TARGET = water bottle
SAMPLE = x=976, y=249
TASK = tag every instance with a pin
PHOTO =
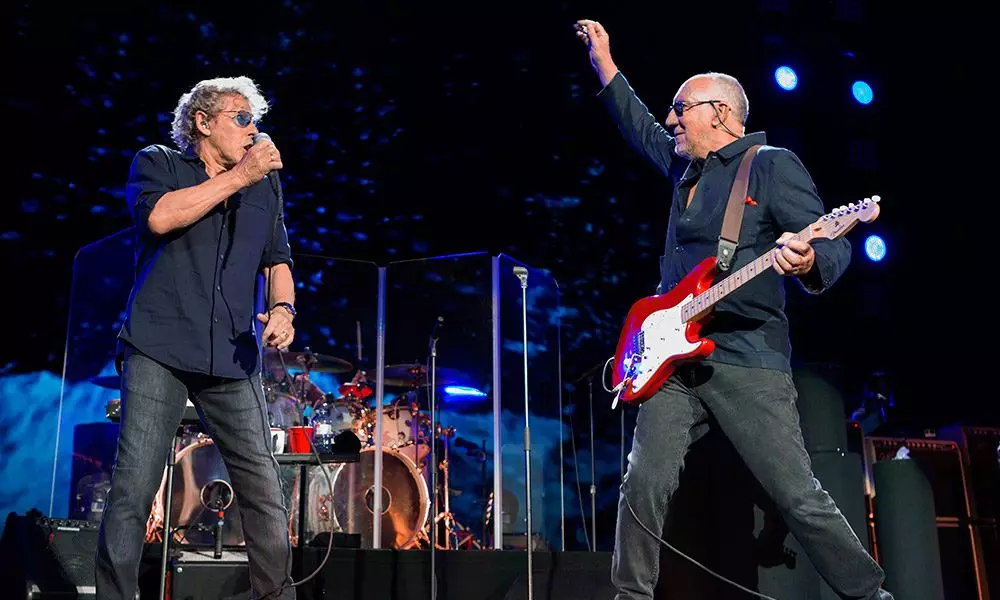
x=323, y=430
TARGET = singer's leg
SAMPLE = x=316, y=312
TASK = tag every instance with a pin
x=153, y=400
x=237, y=417
x=667, y=424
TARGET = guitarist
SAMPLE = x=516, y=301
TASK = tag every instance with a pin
x=745, y=387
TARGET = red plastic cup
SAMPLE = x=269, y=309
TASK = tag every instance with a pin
x=298, y=439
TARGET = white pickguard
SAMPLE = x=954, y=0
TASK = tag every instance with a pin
x=664, y=337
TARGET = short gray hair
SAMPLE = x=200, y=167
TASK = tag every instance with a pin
x=206, y=96
x=733, y=92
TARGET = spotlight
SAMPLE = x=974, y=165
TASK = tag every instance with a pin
x=862, y=92
x=875, y=248
x=786, y=78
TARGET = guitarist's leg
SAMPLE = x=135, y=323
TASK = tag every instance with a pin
x=755, y=408
x=666, y=425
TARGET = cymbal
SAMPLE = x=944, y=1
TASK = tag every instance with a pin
x=404, y=375
x=107, y=381
x=415, y=375
x=306, y=361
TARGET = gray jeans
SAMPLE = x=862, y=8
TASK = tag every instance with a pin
x=755, y=409
x=233, y=411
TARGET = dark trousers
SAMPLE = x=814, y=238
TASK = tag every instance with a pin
x=234, y=413
x=755, y=409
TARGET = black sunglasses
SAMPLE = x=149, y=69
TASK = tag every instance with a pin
x=679, y=107
x=242, y=117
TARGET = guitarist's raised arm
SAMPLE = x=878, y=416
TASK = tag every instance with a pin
x=795, y=205
x=633, y=118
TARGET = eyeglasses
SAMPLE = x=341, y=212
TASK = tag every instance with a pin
x=242, y=117
x=679, y=107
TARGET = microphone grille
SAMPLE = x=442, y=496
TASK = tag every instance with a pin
x=261, y=137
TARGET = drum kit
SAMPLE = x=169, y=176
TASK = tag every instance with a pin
x=295, y=401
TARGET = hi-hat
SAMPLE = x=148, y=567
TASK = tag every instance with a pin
x=306, y=361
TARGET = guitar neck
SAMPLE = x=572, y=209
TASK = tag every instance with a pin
x=704, y=301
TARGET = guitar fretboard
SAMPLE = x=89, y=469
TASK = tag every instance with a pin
x=707, y=299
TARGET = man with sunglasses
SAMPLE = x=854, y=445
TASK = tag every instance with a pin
x=207, y=222
x=745, y=387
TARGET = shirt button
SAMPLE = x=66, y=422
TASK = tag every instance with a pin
x=218, y=287
x=216, y=319
x=221, y=256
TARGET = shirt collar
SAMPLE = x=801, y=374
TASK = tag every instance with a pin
x=190, y=156
x=737, y=147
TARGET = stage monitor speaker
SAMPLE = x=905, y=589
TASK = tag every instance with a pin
x=198, y=575
x=48, y=558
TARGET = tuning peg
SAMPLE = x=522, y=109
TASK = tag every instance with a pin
x=876, y=198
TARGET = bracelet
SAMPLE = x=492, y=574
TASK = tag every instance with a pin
x=287, y=305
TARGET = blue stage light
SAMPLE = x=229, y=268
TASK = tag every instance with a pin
x=786, y=78
x=862, y=92
x=875, y=248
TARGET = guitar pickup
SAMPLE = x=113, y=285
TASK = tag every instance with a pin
x=640, y=342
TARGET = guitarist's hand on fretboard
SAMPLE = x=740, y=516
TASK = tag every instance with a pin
x=792, y=256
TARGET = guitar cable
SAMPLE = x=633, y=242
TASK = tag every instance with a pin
x=657, y=537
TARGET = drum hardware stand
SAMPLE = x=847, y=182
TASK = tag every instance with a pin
x=168, y=501
x=433, y=532
x=522, y=274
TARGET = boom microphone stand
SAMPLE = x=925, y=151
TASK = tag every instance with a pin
x=522, y=274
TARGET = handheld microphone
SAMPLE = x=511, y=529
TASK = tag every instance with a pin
x=271, y=175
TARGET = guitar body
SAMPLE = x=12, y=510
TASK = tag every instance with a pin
x=655, y=339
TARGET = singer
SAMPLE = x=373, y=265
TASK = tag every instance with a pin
x=207, y=220
x=746, y=388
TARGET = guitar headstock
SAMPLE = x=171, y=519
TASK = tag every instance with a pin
x=841, y=220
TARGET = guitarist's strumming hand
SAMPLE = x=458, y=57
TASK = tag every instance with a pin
x=793, y=257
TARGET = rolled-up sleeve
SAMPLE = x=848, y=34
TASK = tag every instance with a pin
x=149, y=178
x=795, y=205
x=277, y=250
x=637, y=125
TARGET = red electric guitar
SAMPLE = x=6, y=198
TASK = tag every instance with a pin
x=662, y=331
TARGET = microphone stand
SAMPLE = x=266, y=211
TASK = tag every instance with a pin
x=522, y=274
x=434, y=490
x=593, y=481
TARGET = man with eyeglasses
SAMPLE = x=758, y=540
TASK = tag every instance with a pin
x=745, y=386
x=207, y=222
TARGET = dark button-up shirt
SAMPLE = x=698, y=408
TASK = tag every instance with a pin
x=749, y=326
x=192, y=304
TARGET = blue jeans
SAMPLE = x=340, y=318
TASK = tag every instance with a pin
x=755, y=409
x=234, y=413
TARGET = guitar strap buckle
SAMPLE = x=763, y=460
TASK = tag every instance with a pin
x=731, y=223
x=725, y=253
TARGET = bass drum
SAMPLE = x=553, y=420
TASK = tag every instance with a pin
x=405, y=500
x=201, y=483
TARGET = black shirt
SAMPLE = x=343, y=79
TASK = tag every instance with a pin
x=749, y=326
x=192, y=304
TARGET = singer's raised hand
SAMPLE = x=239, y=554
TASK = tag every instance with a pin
x=598, y=43
x=260, y=159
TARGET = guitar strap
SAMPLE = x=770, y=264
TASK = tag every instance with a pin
x=734, y=212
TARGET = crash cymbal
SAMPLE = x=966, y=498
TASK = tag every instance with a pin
x=306, y=361
x=107, y=381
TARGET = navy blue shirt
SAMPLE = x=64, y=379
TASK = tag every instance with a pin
x=749, y=326
x=192, y=304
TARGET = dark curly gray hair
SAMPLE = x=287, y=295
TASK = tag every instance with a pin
x=206, y=96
